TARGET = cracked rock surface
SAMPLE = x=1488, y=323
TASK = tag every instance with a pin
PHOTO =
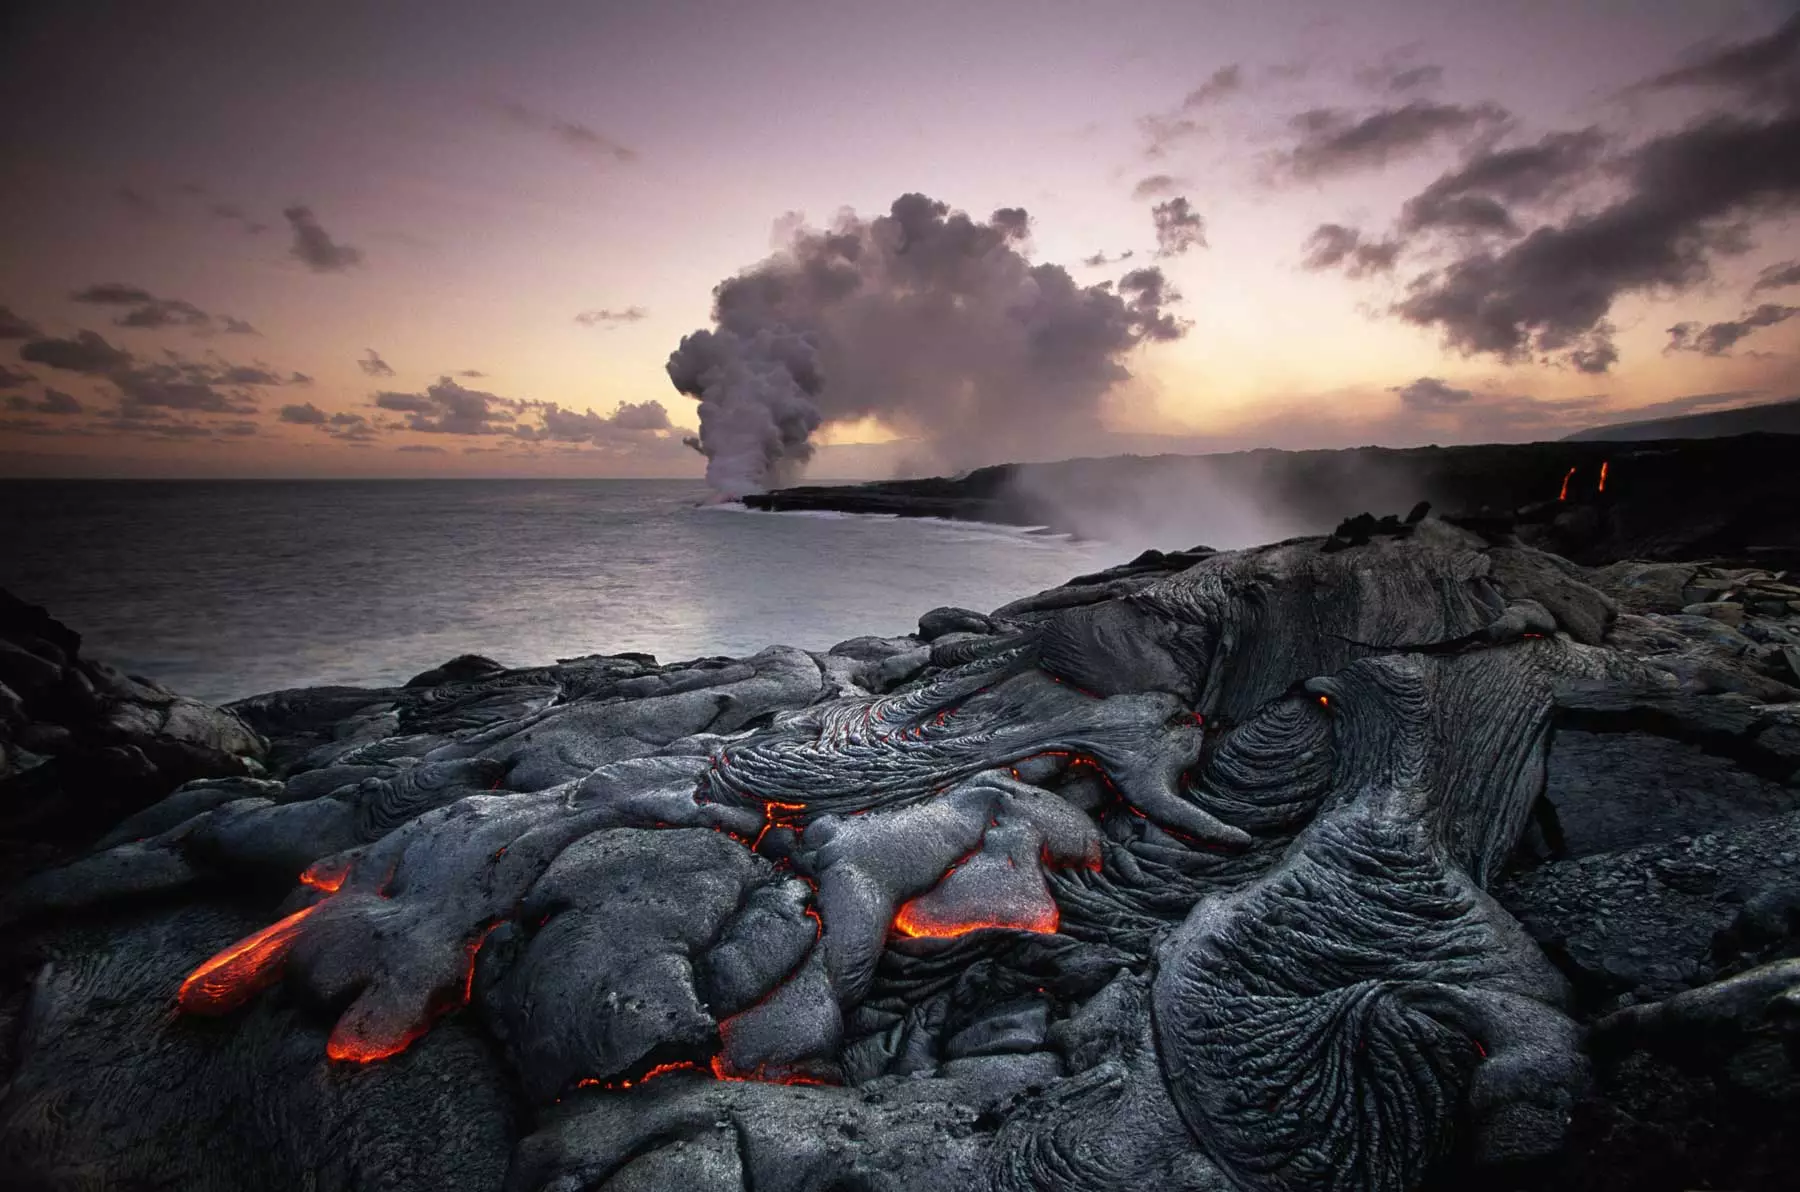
x=1400, y=858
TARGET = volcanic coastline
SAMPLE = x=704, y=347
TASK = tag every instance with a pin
x=1726, y=498
x=1409, y=855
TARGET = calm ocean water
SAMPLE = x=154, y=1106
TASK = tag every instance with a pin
x=226, y=589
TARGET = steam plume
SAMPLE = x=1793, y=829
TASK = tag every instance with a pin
x=930, y=321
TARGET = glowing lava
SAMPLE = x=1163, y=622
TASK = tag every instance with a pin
x=1567, y=476
x=917, y=923
x=1602, y=487
x=327, y=875
x=243, y=970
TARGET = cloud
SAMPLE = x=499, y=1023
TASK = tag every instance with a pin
x=926, y=319
x=629, y=419
x=1474, y=197
x=612, y=318
x=471, y=373
x=305, y=414
x=1163, y=132
x=314, y=247
x=1397, y=79
x=1333, y=245
x=86, y=353
x=1178, y=227
x=13, y=327
x=449, y=409
x=213, y=385
x=12, y=380
x=1100, y=258
x=1332, y=142
x=1716, y=339
x=150, y=312
x=138, y=203
x=574, y=135
x=1450, y=412
x=237, y=430
x=420, y=448
x=1431, y=393
x=1762, y=68
x=373, y=365
x=1222, y=83
x=1777, y=276
x=232, y=213
x=1682, y=199
x=1156, y=186
x=54, y=401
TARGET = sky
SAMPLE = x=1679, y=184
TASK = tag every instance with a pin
x=460, y=238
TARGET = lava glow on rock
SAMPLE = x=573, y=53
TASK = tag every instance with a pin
x=916, y=923
x=240, y=972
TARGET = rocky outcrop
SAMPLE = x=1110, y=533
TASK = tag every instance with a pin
x=1406, y=857
x=82, y=745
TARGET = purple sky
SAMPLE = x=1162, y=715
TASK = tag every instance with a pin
x=459, y=238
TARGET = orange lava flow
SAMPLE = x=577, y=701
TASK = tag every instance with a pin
x=916, y=925
x=1567, y=476
x=326, y=876
x=721, y=1072
x=241, y=971
x=773, y=817
x=349, y=1049
x=1602, y=487
x=660, y=1070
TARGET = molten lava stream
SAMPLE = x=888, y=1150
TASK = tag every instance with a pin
x=914, y=922
x=237, y=974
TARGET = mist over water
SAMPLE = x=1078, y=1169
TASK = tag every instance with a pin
x=225, y=589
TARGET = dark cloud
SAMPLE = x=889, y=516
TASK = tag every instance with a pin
x=1458, y=414
x=305, y=414
x=573, y=134
x=612, y=318
x=13, y=327
x=138, y=203
x=373, y=365
x=1178, y=227
x=1014, y=222
x=470, y=373
x=113, y=294
x=87, y=353
x=55, y=401
x=1762, y=68
x=421, y=449
x=1715, y=339
x=10, y=379
x=1431, y=393
x=150, y=312
x=929, y=320
x=299, y=378
x=173, y=382
x=1778, y=276
x=1395, y=79
x=1163, y=132
x=1146, y=292
x=1332, y=141
x=237, y=430
x=449, y=409
x=1333, y=246
x=314, y=247
x=1100, y=258
x=232, y=213
x=1683, y=199
x=1475, y=197
x=628, y=420
x=1222, y=83
x=1156, y=186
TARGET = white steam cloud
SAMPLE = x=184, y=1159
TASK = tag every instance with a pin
x=930, y=321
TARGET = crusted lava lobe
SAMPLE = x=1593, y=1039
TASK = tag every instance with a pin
x=1193, y=876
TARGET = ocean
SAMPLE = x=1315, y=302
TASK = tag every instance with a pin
x=223, y=589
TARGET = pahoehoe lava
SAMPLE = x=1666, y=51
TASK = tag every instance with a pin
x=1405, y=857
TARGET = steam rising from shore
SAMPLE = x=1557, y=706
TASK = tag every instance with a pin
x=930, y=321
